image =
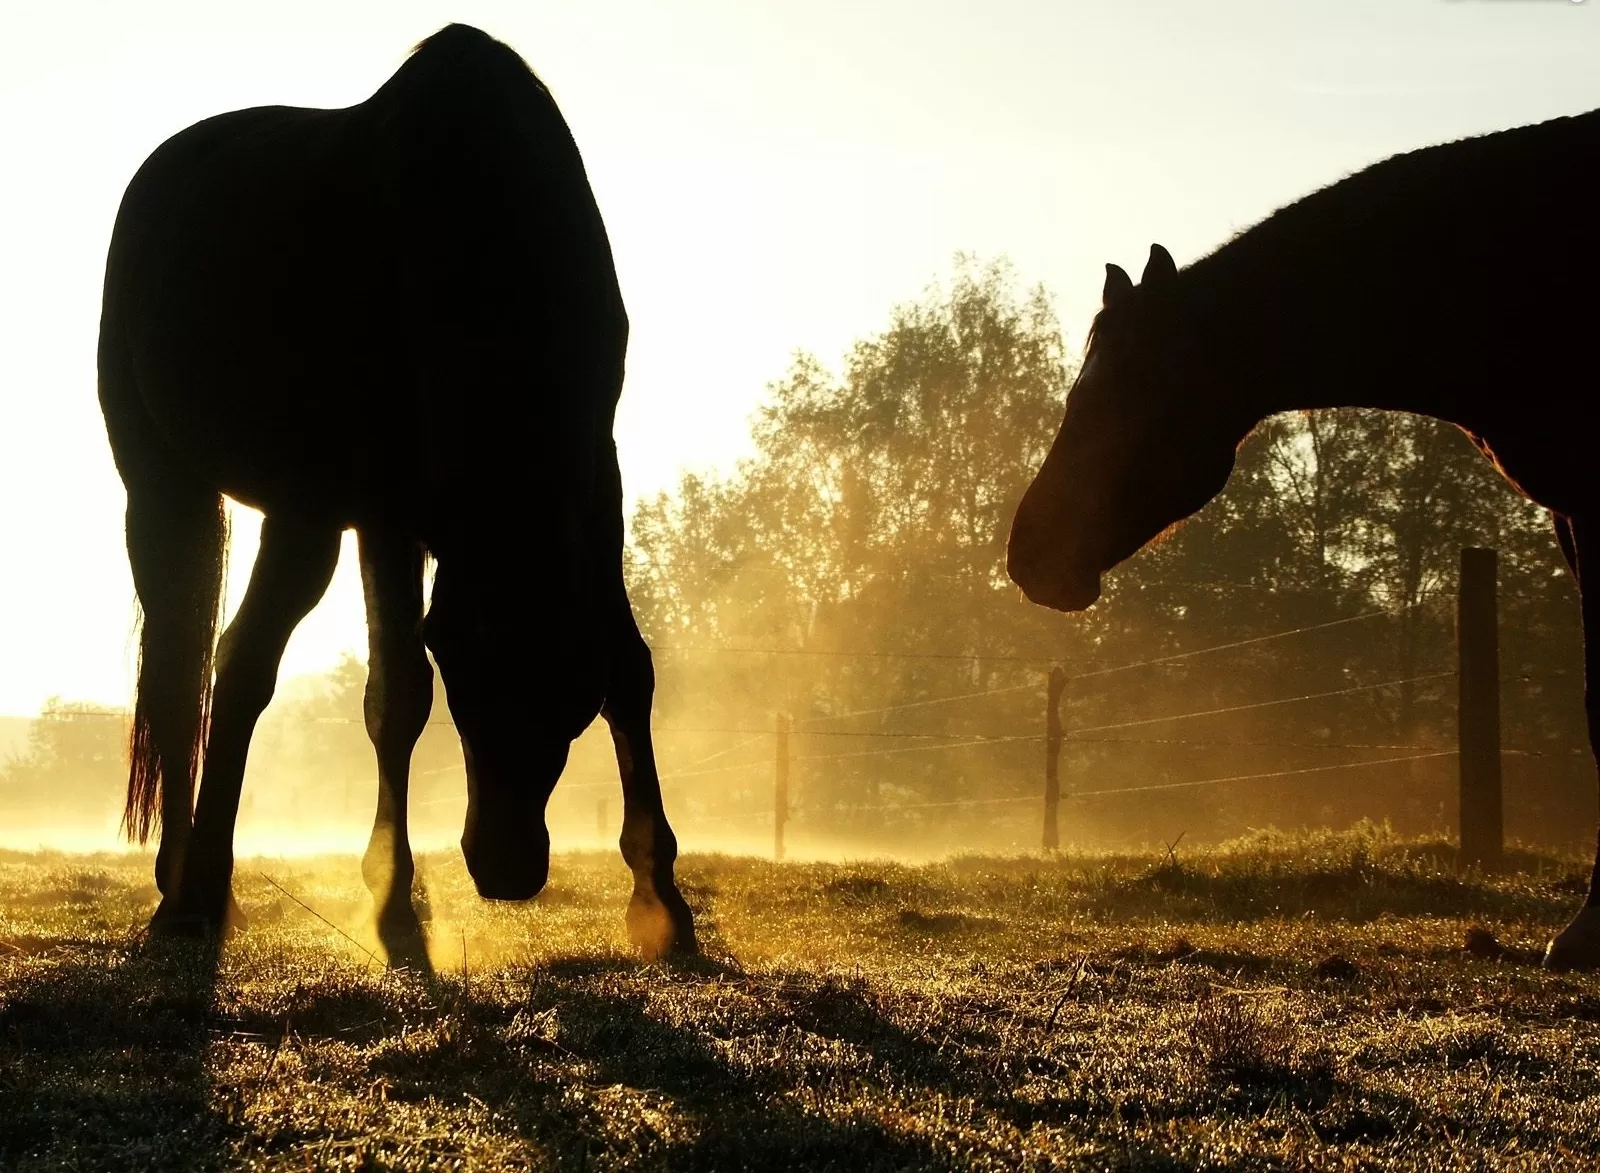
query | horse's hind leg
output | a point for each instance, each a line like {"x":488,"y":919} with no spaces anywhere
{"x":659,"y":920}
{"x":398,"y":700}
{"x":177,"y":534}
{"x":1578,"y":945}
{"x":292,"y":570}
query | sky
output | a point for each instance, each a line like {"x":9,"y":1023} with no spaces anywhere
{"x":774,"y":176}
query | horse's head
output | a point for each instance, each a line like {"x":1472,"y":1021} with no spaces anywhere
{"x":523,"y":680}
{"x":1143,"y":445}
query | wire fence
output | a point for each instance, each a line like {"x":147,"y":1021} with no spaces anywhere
{"x":894,"y":743}
{"x":1397,"y":754}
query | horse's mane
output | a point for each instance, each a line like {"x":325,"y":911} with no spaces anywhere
{"x":1094,"y":332}
{"x":1110,"y":319}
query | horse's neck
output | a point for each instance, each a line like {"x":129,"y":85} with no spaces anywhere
{"x":1269,"y":341}
{"x":1404,"y":286}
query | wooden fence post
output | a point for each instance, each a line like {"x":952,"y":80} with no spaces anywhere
{"x":1478,"y":711}
{"x":780,"y":787}
{"x":1052,"y":757}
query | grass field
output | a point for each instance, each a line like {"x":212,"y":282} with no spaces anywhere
{"x":1278,"y":1003}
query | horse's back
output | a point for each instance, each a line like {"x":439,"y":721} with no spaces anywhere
{"x":311,"y":307}
{"x":246,"y":289}
{"x":507,"y":263}
{"x":1501,"y":273}
{"x":1448,"y":267}
{"x":1482,"y":238}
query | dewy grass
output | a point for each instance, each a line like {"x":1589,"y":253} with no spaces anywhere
{"x":1281,"y":1002}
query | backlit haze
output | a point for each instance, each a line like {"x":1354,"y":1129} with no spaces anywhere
{"x":774,"y":177}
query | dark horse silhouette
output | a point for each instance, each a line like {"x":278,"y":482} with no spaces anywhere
{"x":1450,"y":282}
{"x":401,"y":317}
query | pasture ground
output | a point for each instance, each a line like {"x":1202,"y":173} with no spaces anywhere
{"x":1279,"y":1003}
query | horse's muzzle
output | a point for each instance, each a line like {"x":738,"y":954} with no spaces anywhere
{"x":1062,"y":594}
{"x":1050,"y":581}
{"x":519,"y":879}
{"x":508,"y":866}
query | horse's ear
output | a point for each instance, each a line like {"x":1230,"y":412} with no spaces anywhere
{"x":1118,"y":285}
{"x":1159,"y":267}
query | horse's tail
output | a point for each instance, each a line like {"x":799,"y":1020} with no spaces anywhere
{"x":177,"y":545}
{"x":177,"y":533}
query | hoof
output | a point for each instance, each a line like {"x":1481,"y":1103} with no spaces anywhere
{"x":1578,"y":945}
{"x":182,"y":926}
{"x":173,"y":921}
{"x":404,"y":941}
{"x":661,"y":926}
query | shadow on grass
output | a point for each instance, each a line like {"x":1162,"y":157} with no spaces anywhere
{"x":600,"y":1060}
{"x":102,"y":1061}
{"x":589,"y":1060}
{"x":591,"y":1023}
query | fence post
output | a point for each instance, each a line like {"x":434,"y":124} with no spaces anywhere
{"x":1478,"y":711}
{"x":1052,"y":757}
{"x":600,"y":819}
{"x":780,"y":786}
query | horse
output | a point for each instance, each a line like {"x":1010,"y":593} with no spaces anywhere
{"x":1451,"y":281}
{"x":400,"y":317}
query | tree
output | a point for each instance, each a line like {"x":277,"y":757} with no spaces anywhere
{"x":872,"y":517}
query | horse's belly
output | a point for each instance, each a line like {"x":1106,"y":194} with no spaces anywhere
{"x":264,"y":430}
{"x":275,"y":445}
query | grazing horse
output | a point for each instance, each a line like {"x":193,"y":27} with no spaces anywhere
{"x":1453,"y":281}
{"x":401,"y":317}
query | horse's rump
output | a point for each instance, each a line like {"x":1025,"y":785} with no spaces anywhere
{"x":381,"y":300}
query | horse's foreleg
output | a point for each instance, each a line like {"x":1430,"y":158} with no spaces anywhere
{"x":1578,"y":945}
{"x":399,"y":698}
{"x":292,"y":570}
{"x":659,"y":920}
